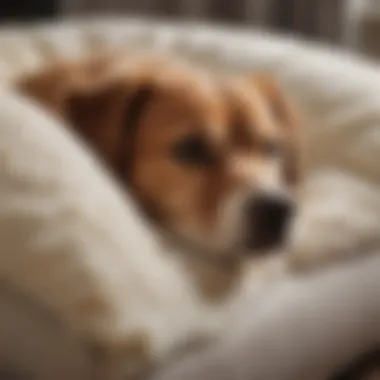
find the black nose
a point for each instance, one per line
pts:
(268, 219)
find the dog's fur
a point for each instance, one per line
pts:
(193, 148)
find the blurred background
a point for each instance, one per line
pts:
(352, 23)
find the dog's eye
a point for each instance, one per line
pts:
(271, 149)
(193, 150)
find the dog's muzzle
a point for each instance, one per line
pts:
(268, 217)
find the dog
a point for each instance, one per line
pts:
(213, 161)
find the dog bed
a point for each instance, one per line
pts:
(338, 92)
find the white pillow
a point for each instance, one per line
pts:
(66, 235)
(77, 264)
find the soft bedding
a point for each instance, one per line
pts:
(338, 92)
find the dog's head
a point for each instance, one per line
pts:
(213, 161)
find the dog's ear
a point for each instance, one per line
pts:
(107, 116)
(288, 117)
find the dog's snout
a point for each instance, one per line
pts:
(273, 211)
(268, 218)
